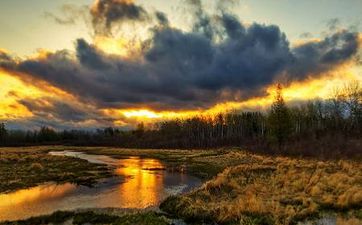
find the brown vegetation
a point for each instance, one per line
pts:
(269, 190)
(249, 188)
(26, 167)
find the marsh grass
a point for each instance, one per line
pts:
(267, 190)
(90, 217)
(242, 188)
(27, 167)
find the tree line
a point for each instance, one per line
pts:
(320, 127)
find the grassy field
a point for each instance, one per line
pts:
(28, 167)
(239, 188)
(90, 217)
(273, 190)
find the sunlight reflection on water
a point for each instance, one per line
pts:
(146, 184)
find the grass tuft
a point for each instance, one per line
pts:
(265, 190)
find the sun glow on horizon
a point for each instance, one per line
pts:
(14, 90)
(141, 113)
(298, 91)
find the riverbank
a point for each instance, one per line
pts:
(273, 190)
(146, 184)
(28, 167)
(97, 216)
(245, 188)
(204, 164)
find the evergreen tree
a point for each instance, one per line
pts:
(140, 130)
(280, 126)
(3, 133)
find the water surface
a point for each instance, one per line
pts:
(140, 183)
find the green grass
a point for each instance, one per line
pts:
(27, 167)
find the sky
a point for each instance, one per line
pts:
(96, 63)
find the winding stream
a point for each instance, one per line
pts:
(141, 183)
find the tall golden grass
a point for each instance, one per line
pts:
(281, 190)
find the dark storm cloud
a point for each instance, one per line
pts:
(203, 21)
(184, 70)
(58, 110)
(106, 13)
(58, 114)
(248, 59)
(89, 56)
(318, 57)
(162, 18)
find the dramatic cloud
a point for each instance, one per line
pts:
(188, 69)
(106, 13)
(318, 57)
(162, 18)
(46, 108)
(203, 22)
(59, 113)
(218, 60)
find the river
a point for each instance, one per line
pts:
(139, 183)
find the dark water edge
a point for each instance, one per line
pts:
(139, 184)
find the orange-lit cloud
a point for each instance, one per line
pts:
(106, 14)
(14, 90)
(121, 81)
(322, 88)
(44, 100)
(11, 90)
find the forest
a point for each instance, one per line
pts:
(326, 128)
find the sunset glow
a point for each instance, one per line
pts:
(317, 88)
(138, 66)
(112, 111)
(121, 47)
(299, 91)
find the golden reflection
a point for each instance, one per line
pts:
(36, 194)
(144, 186)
